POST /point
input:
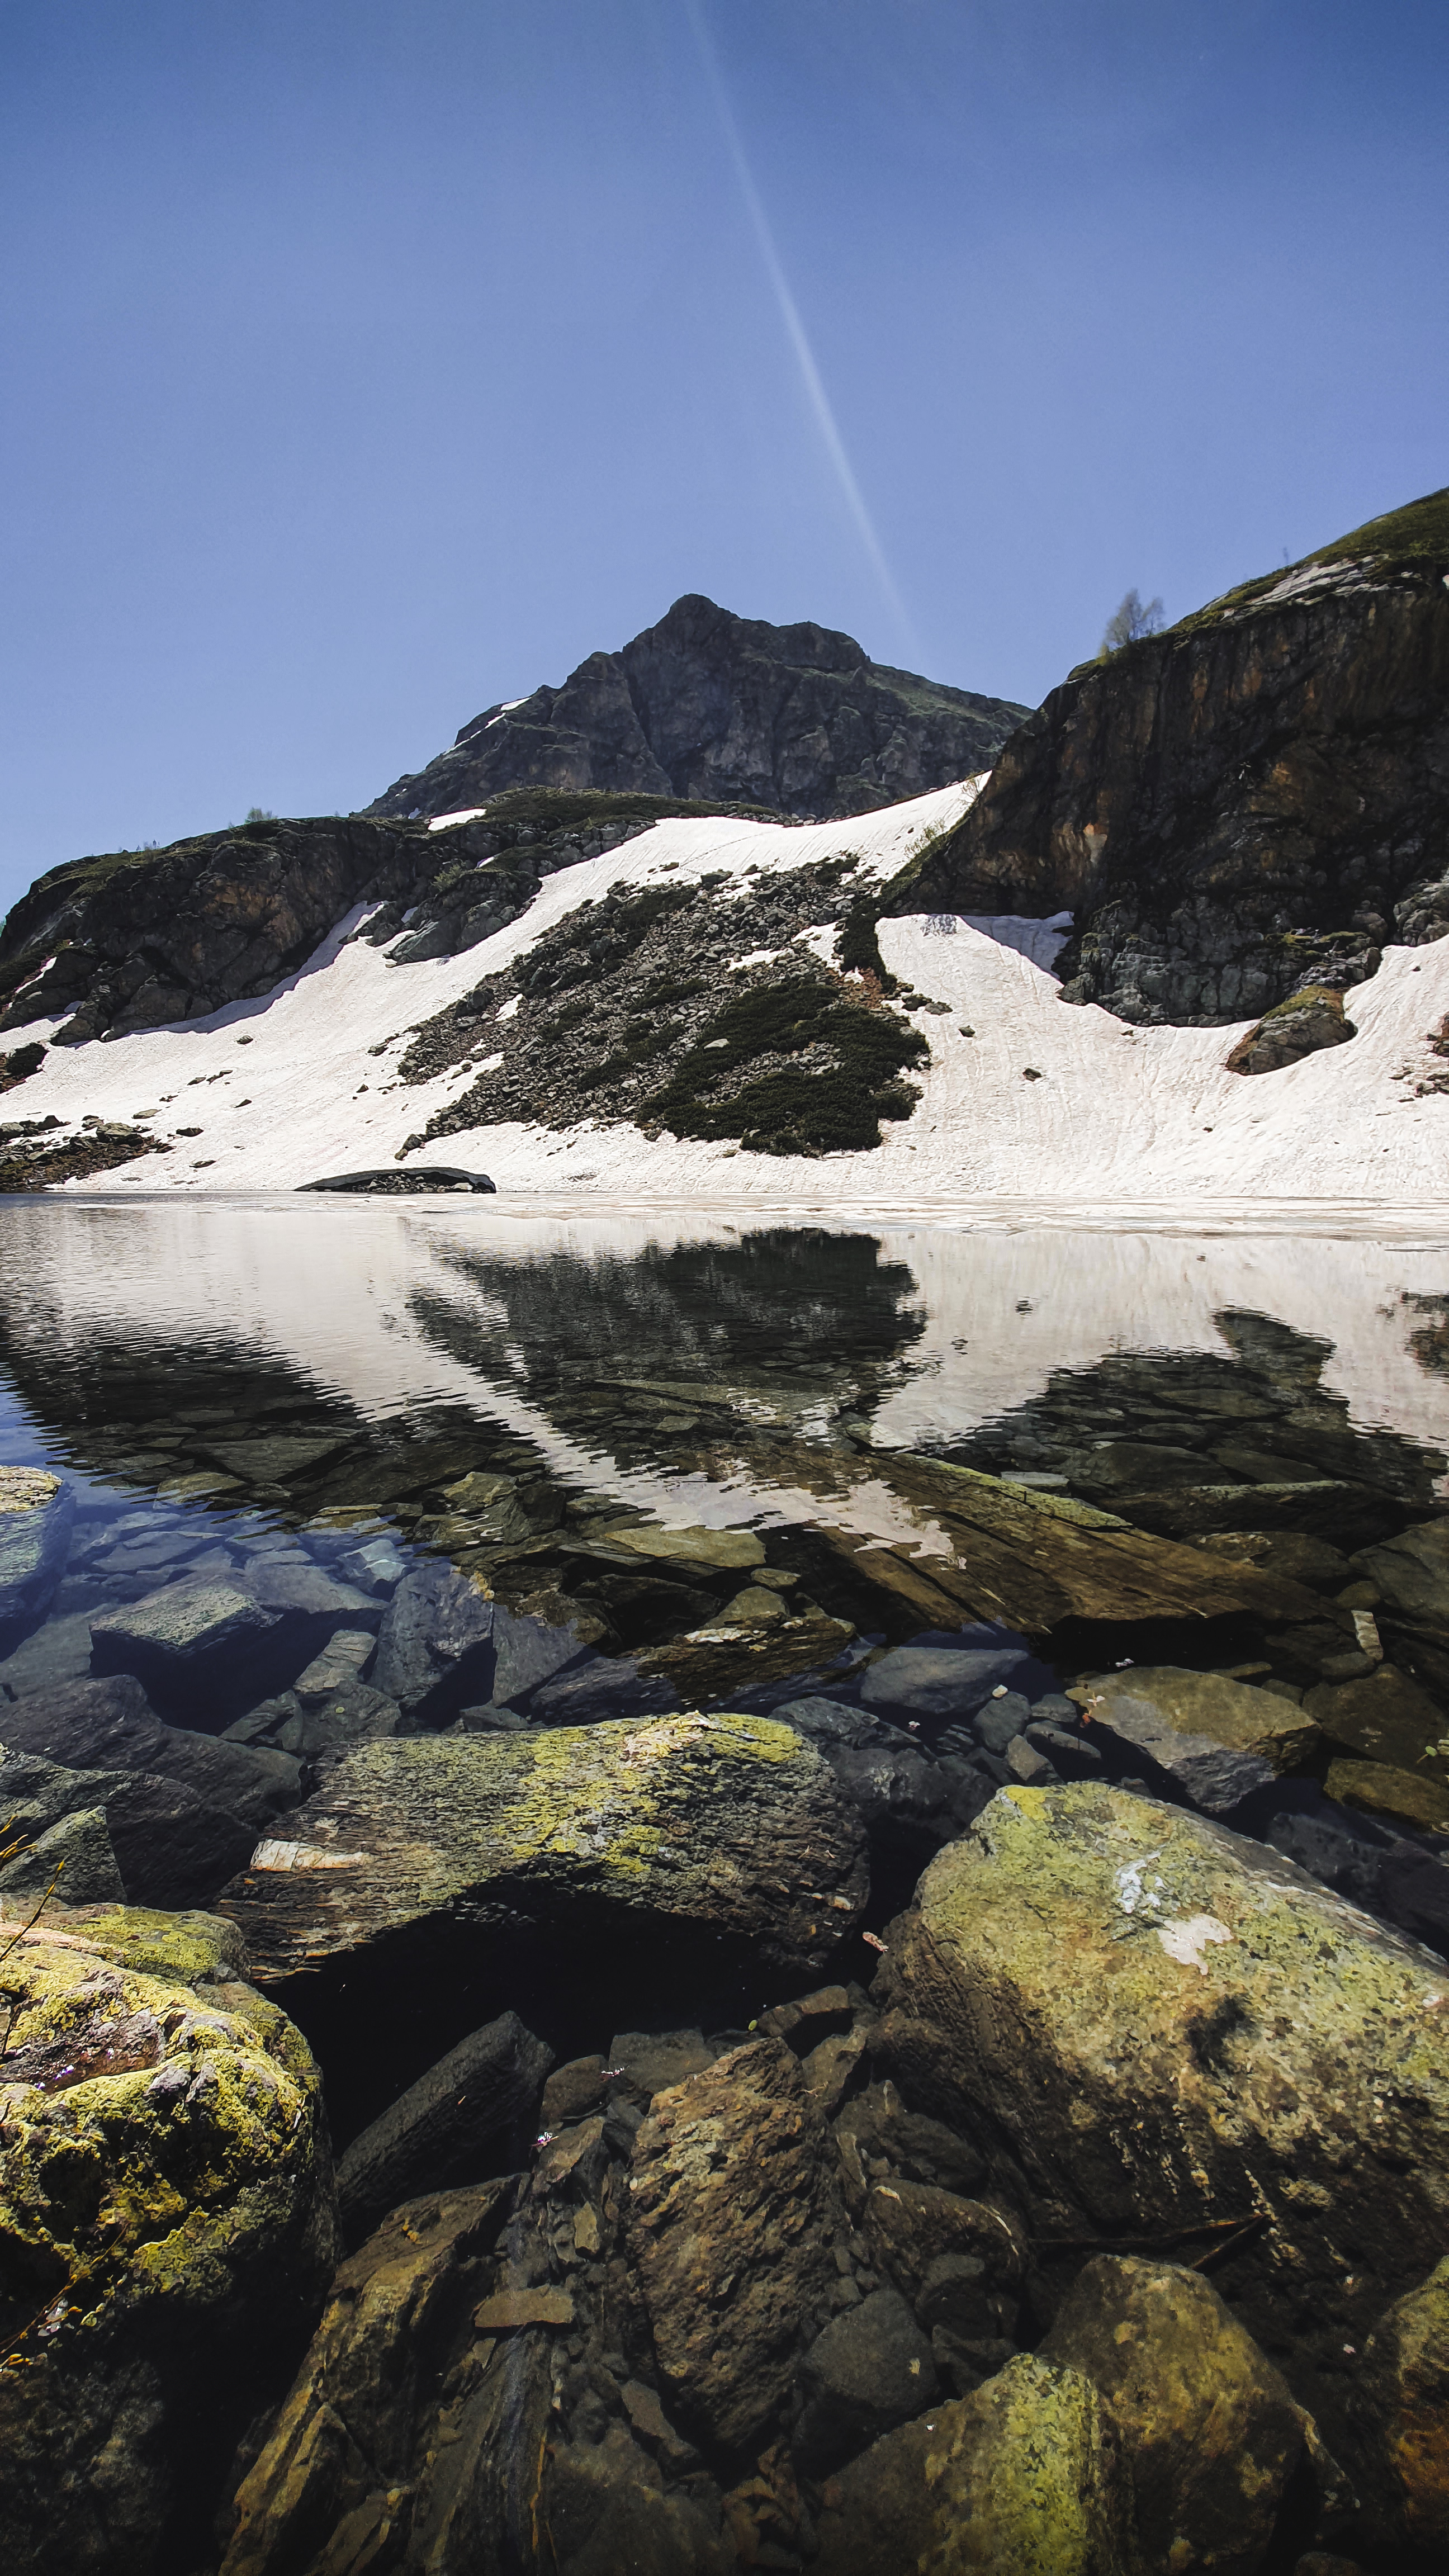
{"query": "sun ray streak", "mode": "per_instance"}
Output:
(795, 331)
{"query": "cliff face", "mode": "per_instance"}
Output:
(728, 709)
(143, 937)
(1251, 802)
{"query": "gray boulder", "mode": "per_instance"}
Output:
(203, 1644)
(110, 1724)
(868, 2371)
(1412, 1571)
(470, 2113)
(939, 1681)
(72, 1857)
(433, 1649)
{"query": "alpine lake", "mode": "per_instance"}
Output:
(722, 1767)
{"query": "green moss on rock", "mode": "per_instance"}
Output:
(167, 2224)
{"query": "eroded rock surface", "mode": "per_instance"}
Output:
(715, 1827)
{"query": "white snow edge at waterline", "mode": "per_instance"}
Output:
(1115, 1112)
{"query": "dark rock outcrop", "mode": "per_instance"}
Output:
(142, 937)
(706, 704)
(1310, 1019)
(1244, 805)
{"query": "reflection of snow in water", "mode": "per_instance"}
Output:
(340, 1291)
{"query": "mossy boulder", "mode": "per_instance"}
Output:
(720, 1831)
(1025, 2478)
(1211, 2430)
(1299, 1025)
(167, 2229)
(1179, 2036)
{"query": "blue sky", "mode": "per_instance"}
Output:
(364, 362)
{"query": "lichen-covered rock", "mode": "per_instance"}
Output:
(167, 2227)
(1405, 2453)
(1212, 2434)
(1172, 2028)
(1024, 2478)
(720, 1827)
(727, 2204)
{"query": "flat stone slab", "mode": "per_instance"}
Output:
(1230, 1713)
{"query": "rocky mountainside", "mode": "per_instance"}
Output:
(706, 704)
(140, 939)
(1249, 803)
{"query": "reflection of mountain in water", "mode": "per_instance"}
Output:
(790, 1325)
(1153, 1434)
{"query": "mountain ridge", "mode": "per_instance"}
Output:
(725, 709)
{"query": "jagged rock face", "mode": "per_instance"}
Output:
(1247, 804)
(706, 704)
(144, 937)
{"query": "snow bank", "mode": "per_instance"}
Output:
(1041, 1103)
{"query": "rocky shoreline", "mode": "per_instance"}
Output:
(540, 2036)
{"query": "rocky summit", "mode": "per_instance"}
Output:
(709, 705)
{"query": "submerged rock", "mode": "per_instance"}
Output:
(1173, 2029)
(36, 1513)
(1228, 1713)
(1026, 2474)
(722, 1828)
(340, 2453)
(167, 2226)
(727, 2204)
(1211, 2432)
(467, 2111)
(868, 2371)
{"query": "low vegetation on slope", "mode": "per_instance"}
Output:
(633, 1007)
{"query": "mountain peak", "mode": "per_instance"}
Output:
(707, 705)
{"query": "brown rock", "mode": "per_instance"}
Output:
(1229, 1713)
(1384, 1717)
(912, 2223)
(1384, 1791)
(1210, 2429)
(343, 2442)
(1406, 2395)
(727, 2201)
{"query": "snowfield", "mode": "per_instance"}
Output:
(1041, 1103)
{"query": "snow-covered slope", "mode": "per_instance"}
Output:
(1040, 1101)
